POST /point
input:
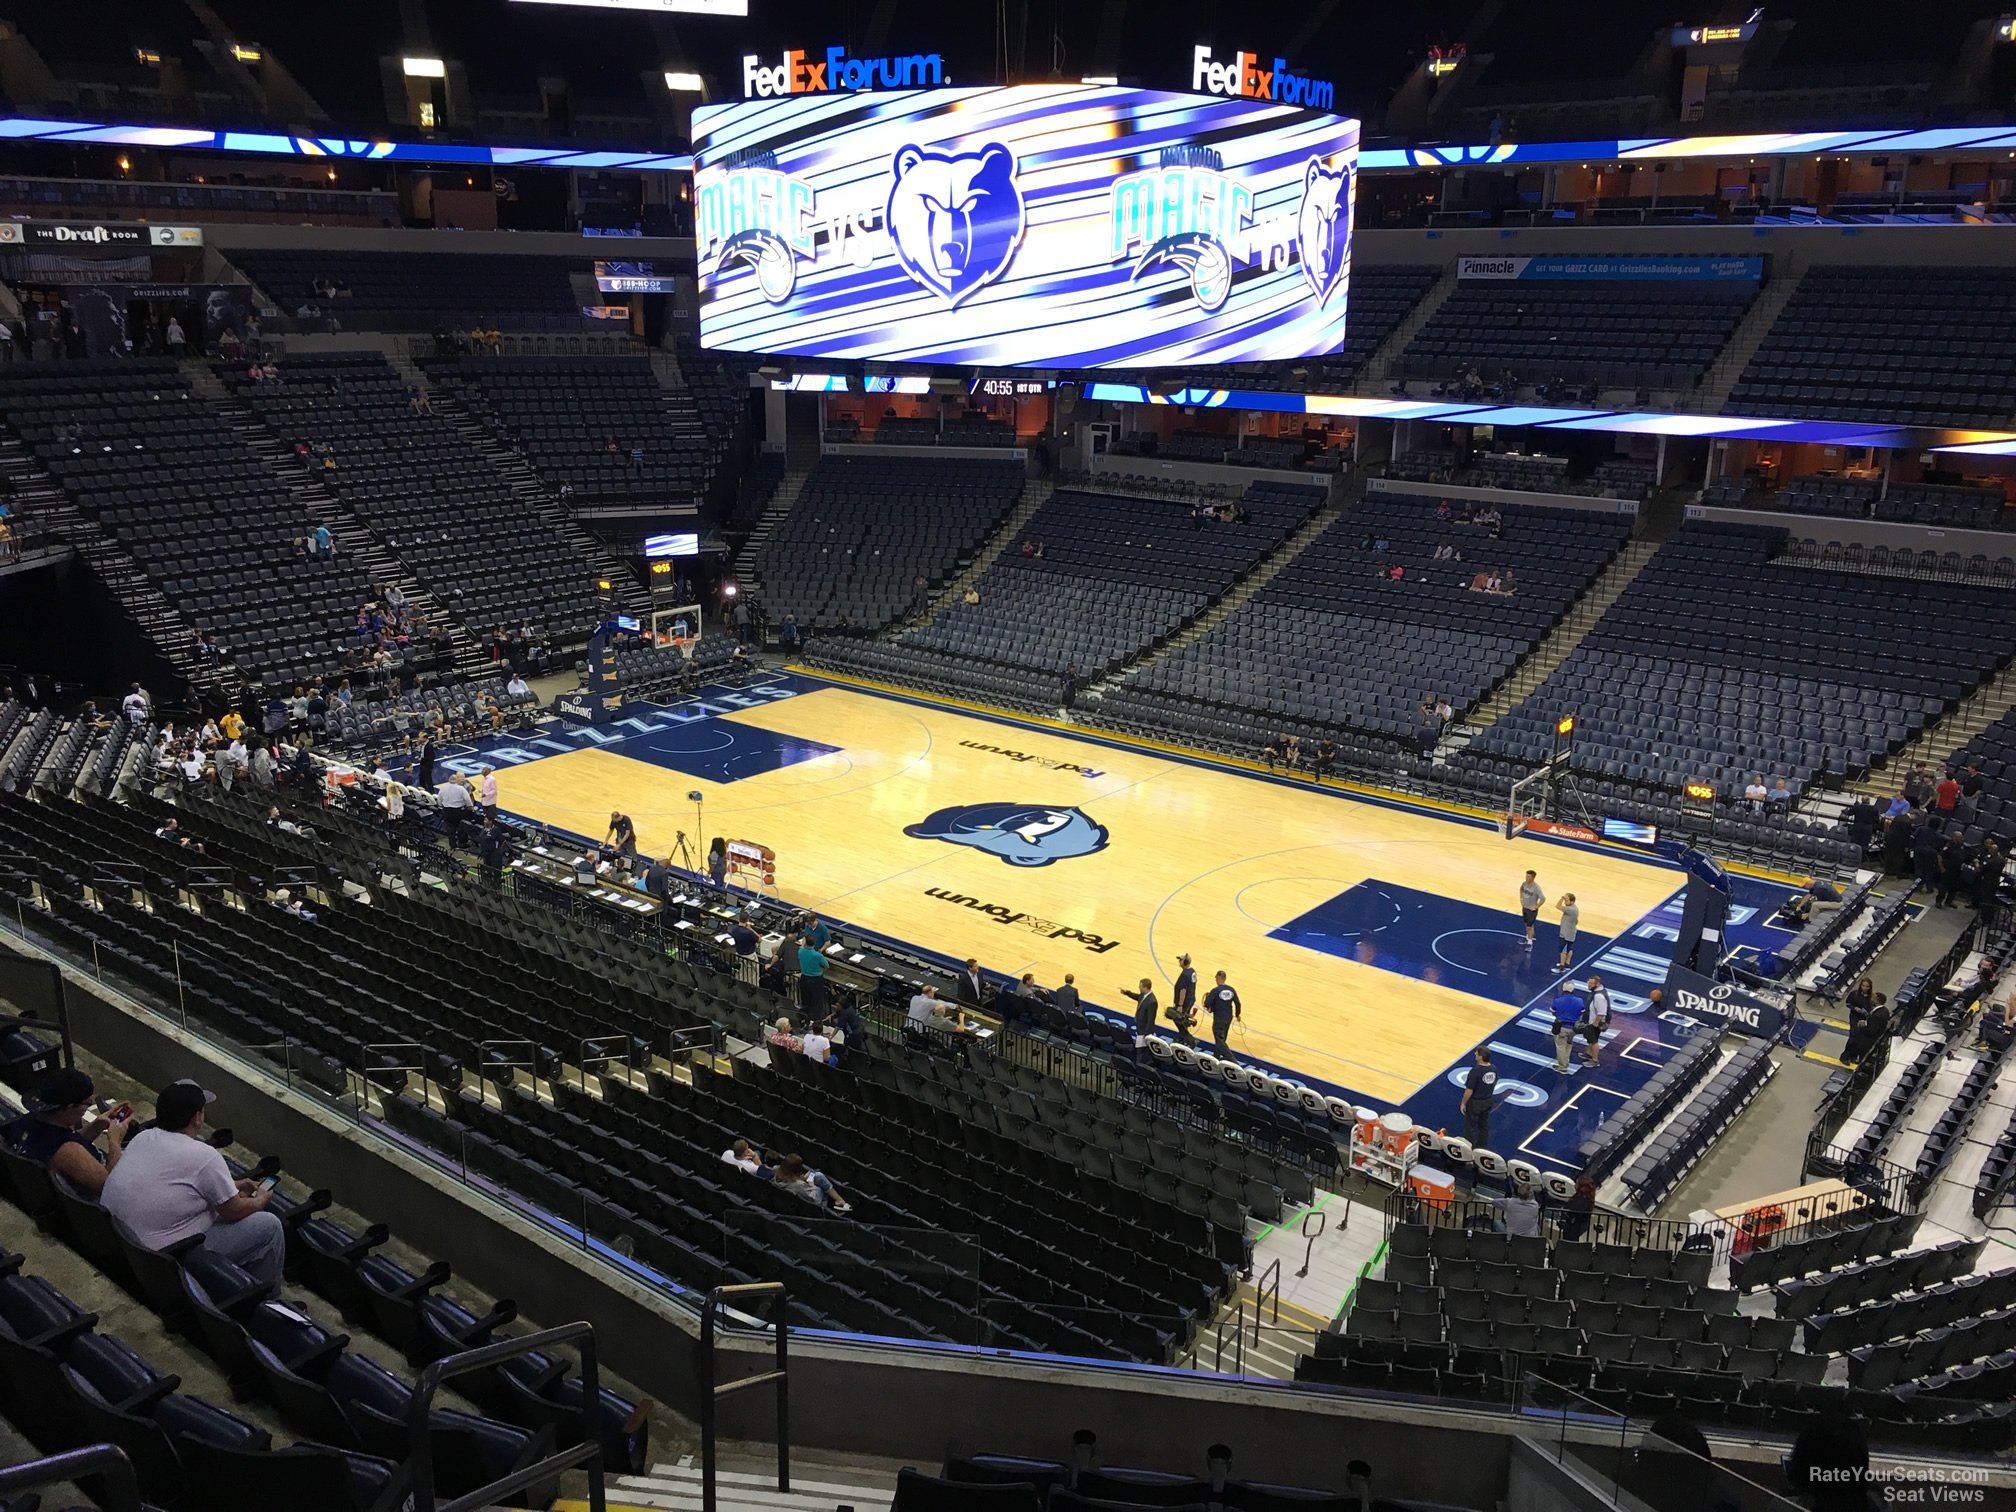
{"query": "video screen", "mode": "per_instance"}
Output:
(684, 544)
(1628, 830)
(1035, 225)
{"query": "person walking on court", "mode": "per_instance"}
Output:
(1480, 1091)
(1183, 999)
(1531, 896)
(1224, 1005)
(1571, 920)
(1567, 1008)
(1595, 1019)
(1145, 1009)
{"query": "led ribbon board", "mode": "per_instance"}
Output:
(1028, 226)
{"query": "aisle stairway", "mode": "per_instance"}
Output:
(1562, 640)
(1374, 377)
(1711, 395)
(741, 1486)
(354, 539)
(782, 502)
(633, 598)
(1035, 494)
(38, 496)
(1341, 498)
(1940, 739)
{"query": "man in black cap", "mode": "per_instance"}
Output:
(172, 1185)
(1183, 999)
(59, 1132)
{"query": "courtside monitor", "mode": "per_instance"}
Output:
(1036, 225)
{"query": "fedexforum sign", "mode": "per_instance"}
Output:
(1250, 77)
(800, 72)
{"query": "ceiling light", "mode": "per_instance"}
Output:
(424, 68)
(681, 82)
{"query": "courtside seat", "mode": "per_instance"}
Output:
(918, 1492)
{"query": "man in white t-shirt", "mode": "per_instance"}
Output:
(134, 705)
(1756, 794)
(742, 1155)
(170, 1185)
(817, 1045)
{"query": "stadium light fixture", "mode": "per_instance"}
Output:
(681, 82)
(1111, 81)
(246, 54)
(423, 68)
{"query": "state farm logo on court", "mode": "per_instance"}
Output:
(1021, 834)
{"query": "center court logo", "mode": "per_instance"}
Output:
(1021, 834)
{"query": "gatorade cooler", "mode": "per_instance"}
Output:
(1432, 1188)
(1396, 1133)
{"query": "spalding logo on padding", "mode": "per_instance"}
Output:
(1323, 226)
(1022, 834)
(955, 219)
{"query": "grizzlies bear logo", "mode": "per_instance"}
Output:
(955, 220)
(1022, 834)
(1323, 227)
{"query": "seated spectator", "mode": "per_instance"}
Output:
(1480, 582)
(1756, 794)
(1275, 751)
(1517, 1212)
(517, 687)
(782, 1037)
(60, 1132)
(170, 1185)
(818, 1044)
(742, 1155)
(172, 833)
(1998, 1027)
(1779, 798)
(800, 1180)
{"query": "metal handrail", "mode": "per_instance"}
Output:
(711, 1391)
(122, 1487)
(1237, 1324)
(588, 1452)
(1269, 1278)
(596, 1042)
(483, 1061)
(1314, 1222)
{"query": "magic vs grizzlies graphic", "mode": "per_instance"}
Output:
(1025, 226)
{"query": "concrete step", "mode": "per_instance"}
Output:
(676, 1488)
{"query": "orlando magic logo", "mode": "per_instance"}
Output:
(955, 219)
(1323, 227)
(1183, 213)
(1022, 834)
(755, 216)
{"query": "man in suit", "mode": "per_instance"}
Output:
(1066, 997)
(1145, 1010)
(971, 986)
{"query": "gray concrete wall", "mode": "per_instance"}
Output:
(1582, 502)
(1203, 472)
(1992, 543)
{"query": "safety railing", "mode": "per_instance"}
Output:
(712, 1389)
(118, 1491)
(1269, 1283)
(485, 1062)
(595, 1051)
(587, 1453)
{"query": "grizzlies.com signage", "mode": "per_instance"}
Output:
(1713, 1002)
(1033, 225)
(1614, 269)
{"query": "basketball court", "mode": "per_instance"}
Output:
(1373, 943)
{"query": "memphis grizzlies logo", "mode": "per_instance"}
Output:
(1182, 213)
(1022, 834)
(1323, 227)
(955, 220)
